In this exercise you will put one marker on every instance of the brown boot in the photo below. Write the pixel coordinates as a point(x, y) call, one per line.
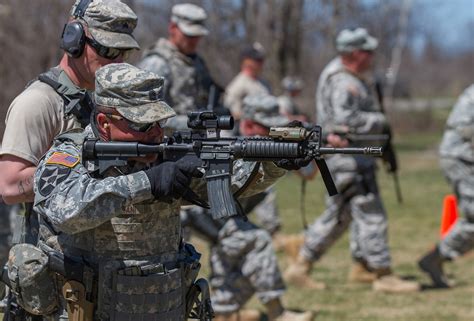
point(290, 244)
point(390, 283)
point(361, 273)
point(276, 312)
point(298, 272)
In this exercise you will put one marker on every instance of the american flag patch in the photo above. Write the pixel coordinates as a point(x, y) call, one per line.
point(63, 159)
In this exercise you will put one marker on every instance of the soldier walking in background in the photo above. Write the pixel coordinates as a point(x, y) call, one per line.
point(187, 78)
point(457, 161)
point(345, 98)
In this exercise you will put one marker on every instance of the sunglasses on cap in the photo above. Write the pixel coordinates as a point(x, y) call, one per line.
point(106, 52)
point(142, 128)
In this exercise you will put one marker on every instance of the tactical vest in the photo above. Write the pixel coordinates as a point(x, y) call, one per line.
point(189, 81)
point(138, 256)
point(77, 101)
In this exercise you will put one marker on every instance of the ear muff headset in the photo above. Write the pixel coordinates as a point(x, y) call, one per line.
point(73, 38)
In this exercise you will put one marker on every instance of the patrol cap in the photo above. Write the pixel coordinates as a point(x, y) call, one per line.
point(254, 51)
point(349, 40)
point(190, 19)
point(110, 22)
point(263, 109)
point(292, 83)
point(135, 93)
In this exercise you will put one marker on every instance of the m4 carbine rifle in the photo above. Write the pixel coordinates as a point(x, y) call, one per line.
point(218, 153)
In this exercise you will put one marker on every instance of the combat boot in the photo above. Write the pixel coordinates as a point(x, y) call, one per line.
point(298, 272)
point(361, 273)
point(289, 244)
point(390, 283)
point(432, 263)
point(276, 312)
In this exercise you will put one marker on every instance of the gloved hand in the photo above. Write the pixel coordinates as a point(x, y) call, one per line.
point(297, 163)
point(293, 164)
point(170, 180)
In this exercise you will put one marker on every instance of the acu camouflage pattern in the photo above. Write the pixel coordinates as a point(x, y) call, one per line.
point(457, 162)
point(135, 93)
point(111, 23)
point(344, 99)
point(113, 221)
point(187, 79)
point(32, 282)
point(243, 261)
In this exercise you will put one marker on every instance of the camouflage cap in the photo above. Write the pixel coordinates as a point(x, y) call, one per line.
point(110, 23)
point(349, 40)
point(135, 93)
point(190, 19)
point(264, 110)
point(290, 83)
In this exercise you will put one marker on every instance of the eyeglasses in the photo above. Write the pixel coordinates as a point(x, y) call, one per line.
point(142, 128)
point(106, 52)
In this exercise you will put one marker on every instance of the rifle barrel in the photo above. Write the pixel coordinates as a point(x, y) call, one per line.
point(373, 151)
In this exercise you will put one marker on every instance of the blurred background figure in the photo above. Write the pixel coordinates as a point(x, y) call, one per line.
point(457, 162)
point(188, 83)
point(247, 82)
point(344, 98)
point(292, 87)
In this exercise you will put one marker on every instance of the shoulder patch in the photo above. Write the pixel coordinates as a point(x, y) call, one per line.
point(63, 159)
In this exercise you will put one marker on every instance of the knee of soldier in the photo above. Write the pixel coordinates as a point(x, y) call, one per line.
point(367, 204)
point(465, 193)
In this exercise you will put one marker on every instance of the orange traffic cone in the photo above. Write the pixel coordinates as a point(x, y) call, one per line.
point(449, 215)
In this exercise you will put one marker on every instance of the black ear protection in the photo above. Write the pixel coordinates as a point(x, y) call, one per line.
point(73, 38)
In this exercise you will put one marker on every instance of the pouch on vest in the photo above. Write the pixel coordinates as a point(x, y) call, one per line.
point(31, 280)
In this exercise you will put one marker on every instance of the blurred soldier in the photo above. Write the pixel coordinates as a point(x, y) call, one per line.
point(345, 98)
point(243, 262)
point(98, 33)
point(292, 87)
point(124, 224)
point(187, 79)
point(457, 161)
point(248, 81)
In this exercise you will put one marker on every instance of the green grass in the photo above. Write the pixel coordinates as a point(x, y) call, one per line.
point(413, 229)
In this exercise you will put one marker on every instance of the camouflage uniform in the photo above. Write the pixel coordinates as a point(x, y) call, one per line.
point(243, 261)
point(113, 222)
point(30, 131)
point(457, 162)
point(187, 78)
point(344, 99)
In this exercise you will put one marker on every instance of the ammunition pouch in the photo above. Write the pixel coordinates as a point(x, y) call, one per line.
point(31, 280)
point(146, 290)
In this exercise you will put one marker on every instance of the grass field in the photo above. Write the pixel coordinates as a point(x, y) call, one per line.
point(413, 229)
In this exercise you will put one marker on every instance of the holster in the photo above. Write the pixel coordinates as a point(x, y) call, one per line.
point(78, 307)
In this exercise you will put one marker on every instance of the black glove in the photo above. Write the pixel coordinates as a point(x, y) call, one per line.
point(170, 180)
point(293, 164)
point(297, 163)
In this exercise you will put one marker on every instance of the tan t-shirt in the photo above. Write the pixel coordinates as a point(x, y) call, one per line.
point(33, 119)
point(241, 86)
